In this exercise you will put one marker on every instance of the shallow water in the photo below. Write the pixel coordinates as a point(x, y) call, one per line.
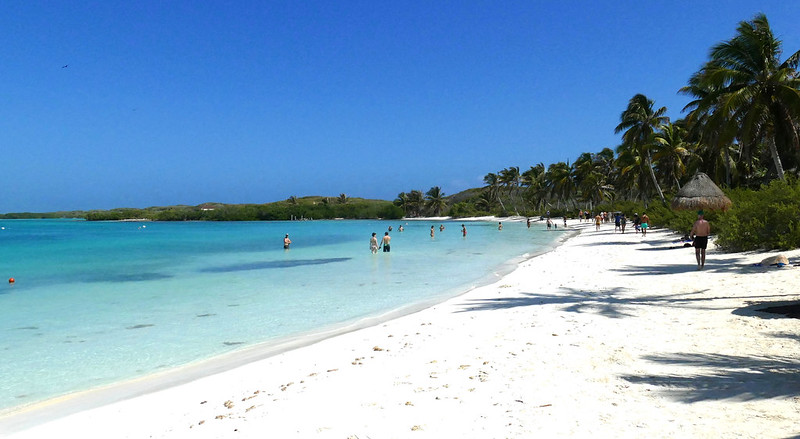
point(101, 302)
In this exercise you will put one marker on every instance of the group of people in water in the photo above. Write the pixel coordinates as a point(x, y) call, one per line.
point(699, 234)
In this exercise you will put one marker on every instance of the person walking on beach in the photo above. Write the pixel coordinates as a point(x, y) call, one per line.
point(623, 221)
point(597, 221)
point(286, 242)
point(385, 242)
point(645, 224)
point(699, 234)
point(373, 243)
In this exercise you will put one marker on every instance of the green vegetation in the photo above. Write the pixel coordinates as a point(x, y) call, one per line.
point(292, 208)
point(764, 219)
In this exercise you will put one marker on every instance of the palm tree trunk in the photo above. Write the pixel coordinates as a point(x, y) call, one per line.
point(727, 166)
point(655, 180)
point(775, 157)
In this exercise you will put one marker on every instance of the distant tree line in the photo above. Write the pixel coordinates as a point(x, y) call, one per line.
point(292, 208)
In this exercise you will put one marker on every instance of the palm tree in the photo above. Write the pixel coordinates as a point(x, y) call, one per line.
point(671, 151)
point(402, 202)
point(757, 93)
point(434, 200)
point(487, 202)
point(343, 199)
point(639, 122)
point(589, 179)
point(533, 182)
point(559, 183)
point(510, 179)
point(492, 182)
point(292, 200)
point(416, 200)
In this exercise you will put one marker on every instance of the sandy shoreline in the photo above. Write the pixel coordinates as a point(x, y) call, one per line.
point(608, 335)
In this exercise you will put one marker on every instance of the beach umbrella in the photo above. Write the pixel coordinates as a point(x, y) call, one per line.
point(701, 193)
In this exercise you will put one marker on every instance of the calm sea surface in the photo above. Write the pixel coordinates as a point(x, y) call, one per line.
point(96, 303)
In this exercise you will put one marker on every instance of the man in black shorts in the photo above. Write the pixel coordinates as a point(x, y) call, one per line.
point(700, 231)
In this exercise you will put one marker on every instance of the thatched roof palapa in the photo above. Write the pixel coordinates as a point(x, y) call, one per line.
point(701, 193)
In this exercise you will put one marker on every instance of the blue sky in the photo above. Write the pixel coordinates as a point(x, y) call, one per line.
point(185, 102)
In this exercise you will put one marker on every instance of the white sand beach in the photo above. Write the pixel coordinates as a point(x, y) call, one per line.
point(609, 335)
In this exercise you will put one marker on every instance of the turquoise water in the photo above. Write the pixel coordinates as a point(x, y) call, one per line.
point(96, 303)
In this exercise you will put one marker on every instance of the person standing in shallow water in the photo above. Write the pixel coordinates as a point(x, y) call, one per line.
point(463, 231)
point(699, 234)
point(286, 242)
point(500, 226)
point(373, 243)
point(432, 235)
point(385, 242)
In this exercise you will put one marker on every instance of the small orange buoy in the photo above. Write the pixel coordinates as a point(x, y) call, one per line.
point(11, 280)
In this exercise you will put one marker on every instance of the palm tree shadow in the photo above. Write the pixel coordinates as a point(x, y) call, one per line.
point(715, 265)
point(724, 377)
point(614, 302)
point(617, 302)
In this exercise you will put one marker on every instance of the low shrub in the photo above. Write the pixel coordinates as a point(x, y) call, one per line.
point(768, 218)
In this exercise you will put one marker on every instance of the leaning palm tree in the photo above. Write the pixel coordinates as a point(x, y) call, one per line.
point(639, 122)
point(343, 198)
point(533, 182)
point(434, 200)
point(492, 182)
point(510, 179)
point(758, 94)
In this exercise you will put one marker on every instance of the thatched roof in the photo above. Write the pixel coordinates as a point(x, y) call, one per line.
point(701, 193)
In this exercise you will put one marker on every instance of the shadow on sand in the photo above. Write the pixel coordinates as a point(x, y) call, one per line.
point(721, 377)
point(771, 310)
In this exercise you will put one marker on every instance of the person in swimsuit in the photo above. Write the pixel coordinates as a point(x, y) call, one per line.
point(645, 224)
point(373, 243)
point(463, 231)
point(432, 232)
point(286, 242)
point(699, 234)
point(597, 221)
point(385, 242)
point(500, 226)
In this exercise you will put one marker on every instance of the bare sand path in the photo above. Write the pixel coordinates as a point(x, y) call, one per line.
point(609, 335)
